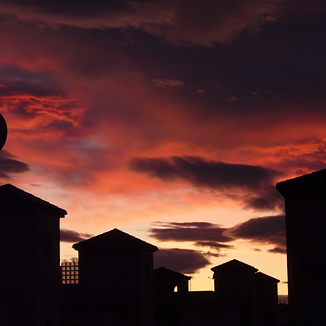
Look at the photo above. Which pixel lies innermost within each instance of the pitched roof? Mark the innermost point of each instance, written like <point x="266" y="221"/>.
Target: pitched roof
<point x="168" y="274"/>
<point x="114" y="239"/>
<point x="266" y="278"/>
<point x="315" y="181"/>
<point x="234" y="266"/>
<point x="12" y="197"/>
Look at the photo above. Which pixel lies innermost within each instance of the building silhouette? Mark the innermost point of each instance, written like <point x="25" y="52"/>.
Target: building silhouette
<point x="305" y="207"/>
<point x="29" y="255"/>
<point x="113" y="283"/>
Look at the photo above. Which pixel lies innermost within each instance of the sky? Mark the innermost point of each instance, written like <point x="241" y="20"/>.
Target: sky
<point x="170" y="120"/>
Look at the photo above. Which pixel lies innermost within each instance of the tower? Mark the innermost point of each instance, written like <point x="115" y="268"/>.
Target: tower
<point x="235" y="283"/>
<point x="119" y="267"/>
<point x="29" y="255"/>
<point x="267" y="299"/>
<point x="305" y="207"/>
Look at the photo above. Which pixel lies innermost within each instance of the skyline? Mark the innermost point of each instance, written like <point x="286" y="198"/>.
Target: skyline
<point x="169" y="120"/>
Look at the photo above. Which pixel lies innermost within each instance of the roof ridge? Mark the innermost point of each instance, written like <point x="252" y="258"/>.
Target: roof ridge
<point x="166" y="271"/>
<point x="113" y="239"/>
<point x="311" y="181"/>
<point x="234" y="264"/>
<point x="12" y="197"/>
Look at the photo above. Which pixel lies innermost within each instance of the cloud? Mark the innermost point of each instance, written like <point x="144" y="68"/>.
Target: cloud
<point x="184" y="261"/>
<point x="166" y="83"/>
<point x="202" y="234"/>
<point x="267" y="199"/>
<point x="213" y="245"/>
<point x="313" y="159"/>
<point x="207" y="22"/>
<point x="15" y="82"/>
<point x="253" y="185"/>
<point x="73" y="236"/>
<point x="186" y="22"/>
<point x="233" y="99"/>
<point x="268" y="230"/>
<point x="36" y="98"/>
<point x="264" y="230"/>
<point x="189" y="231"/>
<point x="9" y="165"/>
<point x="277" y="250"/>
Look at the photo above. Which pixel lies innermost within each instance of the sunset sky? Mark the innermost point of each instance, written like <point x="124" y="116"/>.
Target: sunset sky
<point x="171" y="120"/>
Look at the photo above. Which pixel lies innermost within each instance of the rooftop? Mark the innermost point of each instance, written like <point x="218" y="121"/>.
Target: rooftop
<point x="266" y="278"/>
<point x="114" y="239"/>
<point x="165" y="273"/>
<point x="234" y="266"/>
<point x="315" y="181"/>
<point x="12" y="197"/>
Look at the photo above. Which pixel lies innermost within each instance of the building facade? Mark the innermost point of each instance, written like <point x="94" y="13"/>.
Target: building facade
<point x="305" y="207"/>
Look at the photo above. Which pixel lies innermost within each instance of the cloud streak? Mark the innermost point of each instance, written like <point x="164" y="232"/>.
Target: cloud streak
<point x="189" y="231"/>
<point x="264" y="230"/>
<point x="268" y="230"/>
<point x="253" y="185"/>
<point x="185" y="261"/>
<point x="72" y="236"/>
<point x="186" y="22"/>
<point x="10" y="166"/>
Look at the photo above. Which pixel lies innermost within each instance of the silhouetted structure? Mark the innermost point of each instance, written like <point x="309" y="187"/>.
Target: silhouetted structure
<point x="119" y="268"/>
<point x="242" y="296"/>
<point x="69" y="272"/>
<point x="305" y="206"/>
<point x="116" y="282"/>
<point x="166" y="280"/>
<point x="29" y="255"/>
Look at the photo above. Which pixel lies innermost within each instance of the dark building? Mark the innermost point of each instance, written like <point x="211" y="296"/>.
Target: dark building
<point x="242" y="296"/>
<point x="235" y="283"/>
<point x="118" y="268"/>
<point x="30" y="273"/>
<point x="113" y="282"/>
<point x="166" y="280"/>
<point x="305" y="207"/>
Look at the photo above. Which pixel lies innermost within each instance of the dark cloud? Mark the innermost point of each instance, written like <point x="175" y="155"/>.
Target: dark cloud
<point x="207" y="22"/>
<point x="15" y="82"/>
<point x="277" y="250"/>
<point x="257" y="182"/>
<point x="9" y="165"/>
<point x="265" y="199"/>
<point x="73" y="236"/>
<point x="202" y="234"/>
<point x="85" y="8"/>
<point x="188" y="231"/>
<point x="265" y="230"/>
<point x="205" y="173"/>
<point x="305" y="7"/>
<point x="185" y="261"/>
<point x="213" y="245"/>
<point x="186" y="22"/>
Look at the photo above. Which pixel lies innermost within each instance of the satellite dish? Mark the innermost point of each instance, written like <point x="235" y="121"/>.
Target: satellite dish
<point x="3" y="131"/>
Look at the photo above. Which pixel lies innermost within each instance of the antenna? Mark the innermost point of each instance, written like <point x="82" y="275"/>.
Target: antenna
<point x="3" y="131"/>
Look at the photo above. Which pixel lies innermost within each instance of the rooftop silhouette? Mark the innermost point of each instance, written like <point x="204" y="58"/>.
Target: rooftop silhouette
<point x="305" y="207"/>
<point x="114" y="239"/>
<point x="114" y="282"/>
